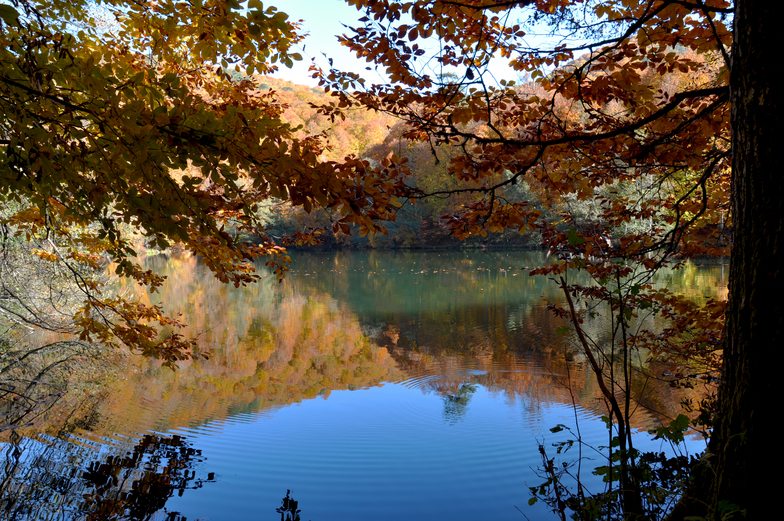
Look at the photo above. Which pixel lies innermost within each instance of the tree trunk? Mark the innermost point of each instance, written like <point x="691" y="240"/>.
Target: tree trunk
<point x="747" y="458"/>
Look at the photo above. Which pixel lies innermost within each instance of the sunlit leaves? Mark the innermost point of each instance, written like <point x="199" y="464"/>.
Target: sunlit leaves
<point x="132" y="132"/>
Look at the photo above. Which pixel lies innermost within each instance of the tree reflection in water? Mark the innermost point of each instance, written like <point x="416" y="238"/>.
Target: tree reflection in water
<point x="450" y="327"/>
<point x="288" y="510"/>
<point x="455" y="405"/>
<point x="49" y="478"/>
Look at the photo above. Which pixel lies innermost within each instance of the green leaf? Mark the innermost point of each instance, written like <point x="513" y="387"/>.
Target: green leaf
<point x="8" y="14"/>
<point x="574" y="239"/>
<point x="562" y="330"/>
<point x="681" y="423"/>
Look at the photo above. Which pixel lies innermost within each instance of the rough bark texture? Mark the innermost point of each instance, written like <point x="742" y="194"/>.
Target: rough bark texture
<point x="746" y="453"/>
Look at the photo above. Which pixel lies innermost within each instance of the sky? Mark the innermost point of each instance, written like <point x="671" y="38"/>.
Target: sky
<point x="323" y="19"/>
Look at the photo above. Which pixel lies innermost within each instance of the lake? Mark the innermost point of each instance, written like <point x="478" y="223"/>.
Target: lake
<point x="367" y="385"/>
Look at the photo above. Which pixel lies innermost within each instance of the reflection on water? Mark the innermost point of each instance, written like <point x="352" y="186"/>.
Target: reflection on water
<point x="373" y="385"/>
<point x="49" y="478"/>
<point x="455" y="405"/>
<point x="288" y="511"/>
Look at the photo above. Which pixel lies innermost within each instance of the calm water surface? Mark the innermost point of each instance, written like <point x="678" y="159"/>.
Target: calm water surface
<point x="371" y="385"/>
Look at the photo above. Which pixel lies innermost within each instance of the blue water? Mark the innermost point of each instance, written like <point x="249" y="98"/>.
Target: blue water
<point x="385" y="453"/>
<point x="372" y="387"/>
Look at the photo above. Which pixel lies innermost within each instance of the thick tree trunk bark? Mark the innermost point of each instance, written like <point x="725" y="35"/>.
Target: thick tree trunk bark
<point x="747" y="456"/>
<point x="742" y="472"/>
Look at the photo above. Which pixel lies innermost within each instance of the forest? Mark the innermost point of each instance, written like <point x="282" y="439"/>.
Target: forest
<point x="634" y="137"/>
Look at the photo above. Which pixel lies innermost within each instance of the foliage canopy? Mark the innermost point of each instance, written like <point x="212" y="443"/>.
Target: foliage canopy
<point x="121" y="115"/>
<point x="641" y="98"/>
